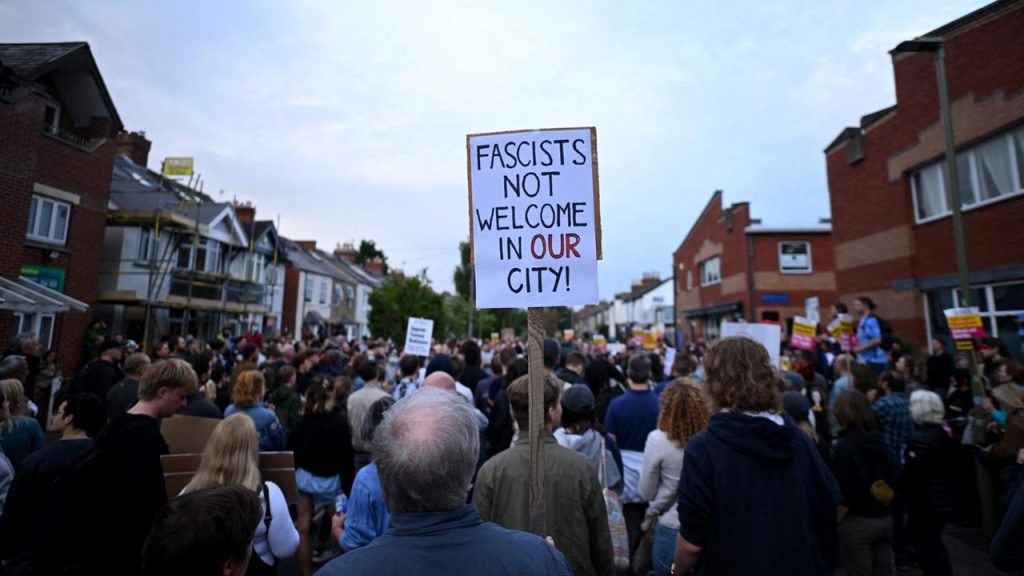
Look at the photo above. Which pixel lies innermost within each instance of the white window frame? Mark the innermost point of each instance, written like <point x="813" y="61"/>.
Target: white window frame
<point x="705" y="279"/>
<point x="35" y="214"/>
<point x="810" y="261"/>
<point x="971" y="201"/>
<point x="989" y="316"/>
<point x="323" y="292"/>
<point x="145" y="244"/>
<point x="307" y="289"/>
<point x="32" y="322"/>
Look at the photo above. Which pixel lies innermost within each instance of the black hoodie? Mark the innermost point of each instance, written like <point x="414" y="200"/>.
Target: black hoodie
<point x="756" y="496"/>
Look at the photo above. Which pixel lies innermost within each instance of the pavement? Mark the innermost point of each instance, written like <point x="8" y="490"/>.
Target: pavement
<point x="968" y="553"/>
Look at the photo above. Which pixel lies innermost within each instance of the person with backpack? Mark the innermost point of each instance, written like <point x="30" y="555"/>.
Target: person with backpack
<point x="874" y="336"/>
<point x="866" y="477"/>
<point x="232" y="457"/>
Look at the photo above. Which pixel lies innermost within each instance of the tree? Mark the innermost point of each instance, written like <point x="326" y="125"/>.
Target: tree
<point x="367" y="251"/>
<point x="463" y="274"/>
<point x="400" y="297"/>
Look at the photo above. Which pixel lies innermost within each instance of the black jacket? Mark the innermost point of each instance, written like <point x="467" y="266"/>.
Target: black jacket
<point x="858" y="461"/>
<point x="927" y="479"/>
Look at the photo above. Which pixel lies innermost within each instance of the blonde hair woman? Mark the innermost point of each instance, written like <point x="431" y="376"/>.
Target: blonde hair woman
<point x="232" y="458"/>
<point x="19" y="434"/>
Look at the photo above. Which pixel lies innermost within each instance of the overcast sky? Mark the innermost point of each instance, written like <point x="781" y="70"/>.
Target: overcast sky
<point x="349" y="119"/>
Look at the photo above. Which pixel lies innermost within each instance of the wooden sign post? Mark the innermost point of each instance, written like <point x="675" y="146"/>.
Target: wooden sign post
<point x="535" y="239"/>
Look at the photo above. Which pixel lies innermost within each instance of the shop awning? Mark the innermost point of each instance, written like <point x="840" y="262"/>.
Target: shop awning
<point x="24" y="295"/>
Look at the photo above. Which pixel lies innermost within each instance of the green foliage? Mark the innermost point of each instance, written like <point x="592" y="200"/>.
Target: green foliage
<point x="484" y="321"/>
<point x="400" y="297"/>
<point x="368" y="250"/>
<point x="463" y="272"/>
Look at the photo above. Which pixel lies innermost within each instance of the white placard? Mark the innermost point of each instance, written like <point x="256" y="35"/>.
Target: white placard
<point x="769" y="335"/>
<point x="812" y="309"/>
<point x="534" y="217"/>
<point x="670" y="358"/>
<point x="418" y="336"/>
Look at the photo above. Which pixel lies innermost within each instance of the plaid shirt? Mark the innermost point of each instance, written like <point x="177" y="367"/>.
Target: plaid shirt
<point x="893" y="412"/>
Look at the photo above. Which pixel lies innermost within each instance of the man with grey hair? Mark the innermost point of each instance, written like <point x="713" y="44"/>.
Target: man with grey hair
<point x="426" y="450"/>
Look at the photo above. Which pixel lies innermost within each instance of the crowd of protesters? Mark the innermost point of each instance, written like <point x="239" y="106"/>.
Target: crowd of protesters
<point x="663" y="461"/>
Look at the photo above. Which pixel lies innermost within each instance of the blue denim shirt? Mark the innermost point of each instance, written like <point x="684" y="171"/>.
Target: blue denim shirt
<point x="368" y="516"/>
<point x="267" y="425"/>
<point x="452" y="542"/>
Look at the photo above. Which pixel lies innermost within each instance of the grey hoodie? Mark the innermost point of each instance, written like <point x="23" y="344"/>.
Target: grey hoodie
<point x="589" y="444"/>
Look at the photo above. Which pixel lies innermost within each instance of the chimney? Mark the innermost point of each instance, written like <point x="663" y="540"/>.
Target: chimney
<point x="245" y="213"/>
<point x="346" y="252"/>
<point x="375" y="265"/>
<point x="135" y="146"/>
<point x="307" y="244"/>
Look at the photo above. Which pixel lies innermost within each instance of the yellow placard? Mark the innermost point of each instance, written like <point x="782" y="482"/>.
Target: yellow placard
<point x="966" y="321"/>
<point x="599" y="340"/>
<point x="177" y="166"/>
<point x="495" y="338"/>
<point x="650" y="340"/>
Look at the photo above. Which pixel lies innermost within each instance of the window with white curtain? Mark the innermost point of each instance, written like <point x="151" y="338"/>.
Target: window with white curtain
<point x="987" y="172"/>
<point x="48" y="220"/>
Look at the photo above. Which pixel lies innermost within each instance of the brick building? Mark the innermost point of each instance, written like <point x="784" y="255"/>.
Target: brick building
<point x="891" y="219"/>
<point x="58" y="127"/>
<point x="730" y="266"/>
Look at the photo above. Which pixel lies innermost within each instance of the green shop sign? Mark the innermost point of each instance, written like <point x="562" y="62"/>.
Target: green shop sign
<point x="52" y="278"/>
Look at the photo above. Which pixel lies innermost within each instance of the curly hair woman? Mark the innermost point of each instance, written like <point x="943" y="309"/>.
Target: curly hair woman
<point x="755" y="496"/>
<point x="683" y="411"/>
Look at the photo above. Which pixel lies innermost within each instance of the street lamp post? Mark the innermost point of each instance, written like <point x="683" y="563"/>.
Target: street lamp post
<point x="936" y="45"/>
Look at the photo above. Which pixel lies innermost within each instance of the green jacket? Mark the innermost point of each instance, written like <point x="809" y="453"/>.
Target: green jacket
<point x="287" y="403"/>
<point x="574" y="509"/>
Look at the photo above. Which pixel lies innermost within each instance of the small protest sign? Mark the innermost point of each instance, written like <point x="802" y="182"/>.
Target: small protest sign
<point x="841" y="328"/>
<point x="804" y="332"/>
<point x="535" y="227"/>
<point x="650" y="341"/>
<point x="769" y="335"/>
<point x="418" y="336"/>
<point x="964" y="326"/>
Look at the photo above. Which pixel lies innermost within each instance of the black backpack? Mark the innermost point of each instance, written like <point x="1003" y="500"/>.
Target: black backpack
<point x="886" y="330"/>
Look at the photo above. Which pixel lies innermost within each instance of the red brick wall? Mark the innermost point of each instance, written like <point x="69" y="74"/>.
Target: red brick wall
<point x="711" y="226"/>
<point x="985" y="64"/>
<point x="27" y="157"/>
<point x="799" y="287"/>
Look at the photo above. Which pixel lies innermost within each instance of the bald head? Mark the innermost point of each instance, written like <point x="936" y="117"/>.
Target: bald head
<point x="426" y="451"/>
<point x="439" y="380"/>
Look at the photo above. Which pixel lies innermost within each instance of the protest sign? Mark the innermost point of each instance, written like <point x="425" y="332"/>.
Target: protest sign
<point x="964" y="326"/>
<point x="508" y="334"/>
<point x="769" y="335"/>
<point x="650" y="341"/>
<point x="812" y="309"/>
<point x="418" y="336"/>
<point x="670" y="358"/>
<point x="495" y="338"/>
<point x="841" y="328"/>
<point x="535" y="225"/>
<point x="568" y="334"/>
<point x="804" y="332"/>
